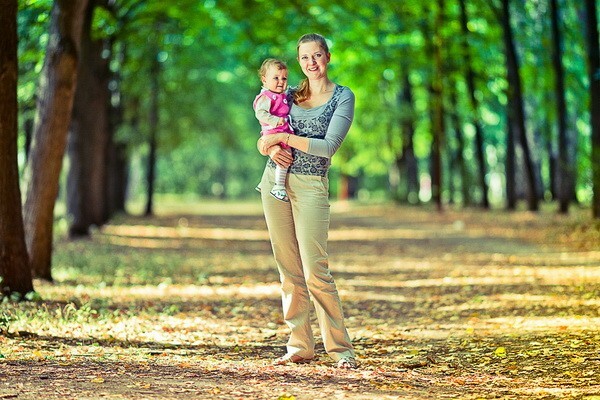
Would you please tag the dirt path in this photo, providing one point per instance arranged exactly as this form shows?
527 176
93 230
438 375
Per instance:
467 305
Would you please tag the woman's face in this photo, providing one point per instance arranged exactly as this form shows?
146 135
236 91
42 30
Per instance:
313 60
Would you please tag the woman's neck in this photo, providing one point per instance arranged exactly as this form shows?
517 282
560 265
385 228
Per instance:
320 86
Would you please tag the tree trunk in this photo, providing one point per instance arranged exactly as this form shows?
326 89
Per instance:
515 106
510 166
408 147
406 162
594 74
550 149
348 187
116 162
470 78
565 166
153 123
53 114
15 274
88 139
116 179
28 129
437 108
459 155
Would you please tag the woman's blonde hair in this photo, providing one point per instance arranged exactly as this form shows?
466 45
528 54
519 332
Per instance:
303 92
271 62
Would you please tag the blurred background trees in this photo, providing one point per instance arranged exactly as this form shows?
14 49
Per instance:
463 102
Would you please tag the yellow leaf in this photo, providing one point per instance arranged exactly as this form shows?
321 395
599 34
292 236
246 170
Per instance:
578 360
287 396
470 330
97 380
500 352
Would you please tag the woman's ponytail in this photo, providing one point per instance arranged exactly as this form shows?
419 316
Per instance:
303 92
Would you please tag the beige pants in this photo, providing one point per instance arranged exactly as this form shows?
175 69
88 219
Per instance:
298 232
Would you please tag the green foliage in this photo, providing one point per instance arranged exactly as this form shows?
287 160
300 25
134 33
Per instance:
209 52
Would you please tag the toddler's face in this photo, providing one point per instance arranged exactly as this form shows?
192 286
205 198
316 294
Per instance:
275 79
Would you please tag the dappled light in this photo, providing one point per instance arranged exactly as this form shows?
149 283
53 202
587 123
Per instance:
433 307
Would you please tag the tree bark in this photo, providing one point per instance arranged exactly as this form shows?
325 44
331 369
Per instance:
476 121
15 274
437 108
516 114
459 155
88 139
53 114
594 75
116 162
565 166
510 167
348 186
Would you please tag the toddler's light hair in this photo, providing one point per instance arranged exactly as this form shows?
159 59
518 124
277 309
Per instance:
271 62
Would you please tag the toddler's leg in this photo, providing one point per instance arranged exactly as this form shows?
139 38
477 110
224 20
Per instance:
278 190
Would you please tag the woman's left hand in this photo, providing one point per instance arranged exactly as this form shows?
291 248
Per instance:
268 141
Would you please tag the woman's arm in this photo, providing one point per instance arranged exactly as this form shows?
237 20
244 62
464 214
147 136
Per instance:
336 132
268 141
338 127
279 156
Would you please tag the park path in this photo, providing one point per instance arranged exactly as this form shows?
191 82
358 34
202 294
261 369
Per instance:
462 304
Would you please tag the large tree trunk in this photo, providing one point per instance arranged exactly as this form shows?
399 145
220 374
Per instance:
565 166
53 115
88 139
515 106
15 274
594 74
470 78
437 108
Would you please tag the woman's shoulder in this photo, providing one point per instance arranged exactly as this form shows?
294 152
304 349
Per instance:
345 93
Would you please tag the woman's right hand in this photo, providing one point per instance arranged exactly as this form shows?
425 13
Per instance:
281 157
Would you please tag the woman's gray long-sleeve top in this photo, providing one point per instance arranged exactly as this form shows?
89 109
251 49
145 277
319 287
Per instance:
326 126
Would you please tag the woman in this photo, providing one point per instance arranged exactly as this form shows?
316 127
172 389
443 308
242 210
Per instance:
321 115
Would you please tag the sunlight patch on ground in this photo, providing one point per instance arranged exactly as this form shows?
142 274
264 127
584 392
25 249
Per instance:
445 281
503 301
541 323
163 232
160 232
128 293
